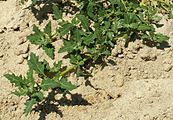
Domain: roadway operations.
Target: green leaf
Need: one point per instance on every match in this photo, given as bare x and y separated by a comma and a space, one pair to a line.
160, 38
49, 50
34, 2
17, 80
56, 67
89, 39
21, 92
145, 27
47, 83
37, 31
90, 10
48, 29
65, 29
84, 21
30, 74
134, 25
76, 60
34, 64
38, 96
156, 18
22, 2
75, 21
64, 84
57, 12
35, 39
80, 72
28, 105
46, 64
110, 35
170, 15
68, 47
38, 37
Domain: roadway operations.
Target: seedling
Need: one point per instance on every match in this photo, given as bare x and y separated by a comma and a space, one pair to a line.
34, 88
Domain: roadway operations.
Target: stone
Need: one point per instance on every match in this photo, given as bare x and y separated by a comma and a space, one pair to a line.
119, 80
167, 67
20, 60
23, 49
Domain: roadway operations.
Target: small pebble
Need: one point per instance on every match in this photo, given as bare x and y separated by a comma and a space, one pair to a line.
1, 62
25, 55
167, 67
1, 55
121, 56
1, 31
114, 52
20, 41
139, 94
15, 27
58, 96
145, 76
130, 56
20, 60
23, 49
119, 80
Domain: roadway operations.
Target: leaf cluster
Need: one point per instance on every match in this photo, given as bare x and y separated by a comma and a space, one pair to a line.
43, 39
93, 32
34, 88
163, 6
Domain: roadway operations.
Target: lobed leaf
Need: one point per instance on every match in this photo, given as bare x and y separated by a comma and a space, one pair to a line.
17, 80
89, 39
68, 47
57, 12
84, 21
38, 37
49, 50
35, 65
48, 84
160, 38
48, 29
28, 105
64, 84
65, 29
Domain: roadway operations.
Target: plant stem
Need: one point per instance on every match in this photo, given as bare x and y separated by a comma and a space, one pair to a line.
62, 74
67, 70
124, 5
54, 35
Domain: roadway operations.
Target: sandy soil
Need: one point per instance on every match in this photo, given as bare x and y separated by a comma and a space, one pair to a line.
136, 83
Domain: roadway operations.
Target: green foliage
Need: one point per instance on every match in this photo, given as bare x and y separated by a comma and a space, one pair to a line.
29, 104
27, 86
57, 12
93, 32
87, 38
43, 39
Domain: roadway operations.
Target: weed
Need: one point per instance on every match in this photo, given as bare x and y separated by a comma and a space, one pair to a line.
88, 37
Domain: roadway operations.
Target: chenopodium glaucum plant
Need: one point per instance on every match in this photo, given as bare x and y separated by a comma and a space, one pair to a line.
88, 37
29, 86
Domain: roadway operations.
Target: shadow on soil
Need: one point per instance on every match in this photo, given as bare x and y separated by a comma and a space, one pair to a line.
161, 46
42, 9
51, 104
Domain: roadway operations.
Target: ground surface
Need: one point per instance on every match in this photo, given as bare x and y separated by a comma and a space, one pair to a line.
136, 83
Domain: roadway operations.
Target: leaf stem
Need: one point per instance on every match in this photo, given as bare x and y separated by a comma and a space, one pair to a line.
54, 35
62, 74
124, 5
67, 70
